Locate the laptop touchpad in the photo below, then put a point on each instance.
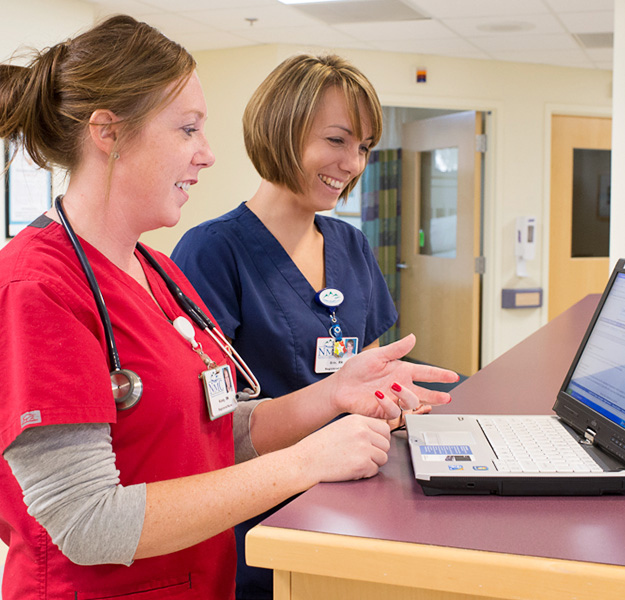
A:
(448, 438)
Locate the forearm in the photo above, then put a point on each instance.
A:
(80, 503)
(185, 511)
(281, 422)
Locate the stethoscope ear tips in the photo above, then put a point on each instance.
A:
(127, 388)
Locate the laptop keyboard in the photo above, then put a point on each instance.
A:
(535, 445)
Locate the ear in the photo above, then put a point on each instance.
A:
(103, 130)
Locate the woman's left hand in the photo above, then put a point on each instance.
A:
(376, 383)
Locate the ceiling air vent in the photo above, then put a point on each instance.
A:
(595, 40)
(360, 11)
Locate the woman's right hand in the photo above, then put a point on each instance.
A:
(353, 447)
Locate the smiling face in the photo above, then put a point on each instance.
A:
(333, 154)
(157, 167)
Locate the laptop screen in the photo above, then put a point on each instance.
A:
(598, 380)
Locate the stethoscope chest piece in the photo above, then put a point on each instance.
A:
(127, 388)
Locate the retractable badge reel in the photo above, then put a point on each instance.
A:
(331, 299)
(218, 382)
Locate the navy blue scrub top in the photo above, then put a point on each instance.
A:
(265, 305)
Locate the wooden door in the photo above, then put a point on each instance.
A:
(440, 289)
(571, 276)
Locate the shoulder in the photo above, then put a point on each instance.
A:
(42, 255)
(223, 224)
(339, 227)
(221, 233)
(335, 230)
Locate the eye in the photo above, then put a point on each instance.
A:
(190, 130)
(335, 140)
(365, 149)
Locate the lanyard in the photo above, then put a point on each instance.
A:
(331, 299)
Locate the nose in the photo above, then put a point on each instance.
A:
(204, 156)
(354, 161)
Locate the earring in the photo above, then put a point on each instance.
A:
(114, 155)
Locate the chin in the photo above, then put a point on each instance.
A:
(170, 219)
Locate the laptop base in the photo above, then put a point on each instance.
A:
(523, 486)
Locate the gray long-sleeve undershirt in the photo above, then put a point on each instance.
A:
(71, 487)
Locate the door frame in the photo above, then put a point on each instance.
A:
(550, 111)
(492, 221)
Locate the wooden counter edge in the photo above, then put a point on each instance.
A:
(487, 574)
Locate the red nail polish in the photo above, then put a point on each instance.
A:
(396, 387)
(379, 394)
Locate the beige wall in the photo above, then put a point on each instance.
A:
(520, 97)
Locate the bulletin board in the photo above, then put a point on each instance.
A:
(28, 190)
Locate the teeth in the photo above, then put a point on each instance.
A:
(183, 185)
(337, 185)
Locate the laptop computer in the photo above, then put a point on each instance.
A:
(583, 444)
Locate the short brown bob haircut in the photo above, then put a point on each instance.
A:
(279, 115)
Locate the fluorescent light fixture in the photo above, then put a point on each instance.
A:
(307, 1)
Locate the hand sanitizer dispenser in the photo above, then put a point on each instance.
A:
(520, 294)
(524, 243)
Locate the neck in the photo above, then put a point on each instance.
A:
(291, 222)
(99, 227)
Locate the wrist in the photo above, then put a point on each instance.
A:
(302, 460)
(331, 396)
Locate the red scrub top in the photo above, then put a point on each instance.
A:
(55, 370)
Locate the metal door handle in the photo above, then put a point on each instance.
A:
(402, 266)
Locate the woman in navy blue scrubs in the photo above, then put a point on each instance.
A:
(308, 130)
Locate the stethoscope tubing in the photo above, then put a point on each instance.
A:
(202, 320)
(93, 284)
(191, 309)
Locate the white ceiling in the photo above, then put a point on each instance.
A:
(574, 33)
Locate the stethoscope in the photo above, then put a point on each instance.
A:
(126, 384)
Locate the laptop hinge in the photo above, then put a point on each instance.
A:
(589, 434)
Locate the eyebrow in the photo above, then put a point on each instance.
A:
(350, 132)
(195, 113)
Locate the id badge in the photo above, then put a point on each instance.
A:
(219, 391)
(326, 360)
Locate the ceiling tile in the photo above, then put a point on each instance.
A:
(189, 5)
(234, 19)
(455, 47)
(170, 23)
(531, 43)
(133, 8)
(211, 40)
(396, 30)
(563, 58)
(563, 6)
(479, 8)
(506, 27)
(324, 36)
(589, 22)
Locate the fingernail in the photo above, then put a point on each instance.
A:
(448, 401)
(379, 394)
(396, 387)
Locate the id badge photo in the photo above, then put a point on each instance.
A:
(326, 359)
